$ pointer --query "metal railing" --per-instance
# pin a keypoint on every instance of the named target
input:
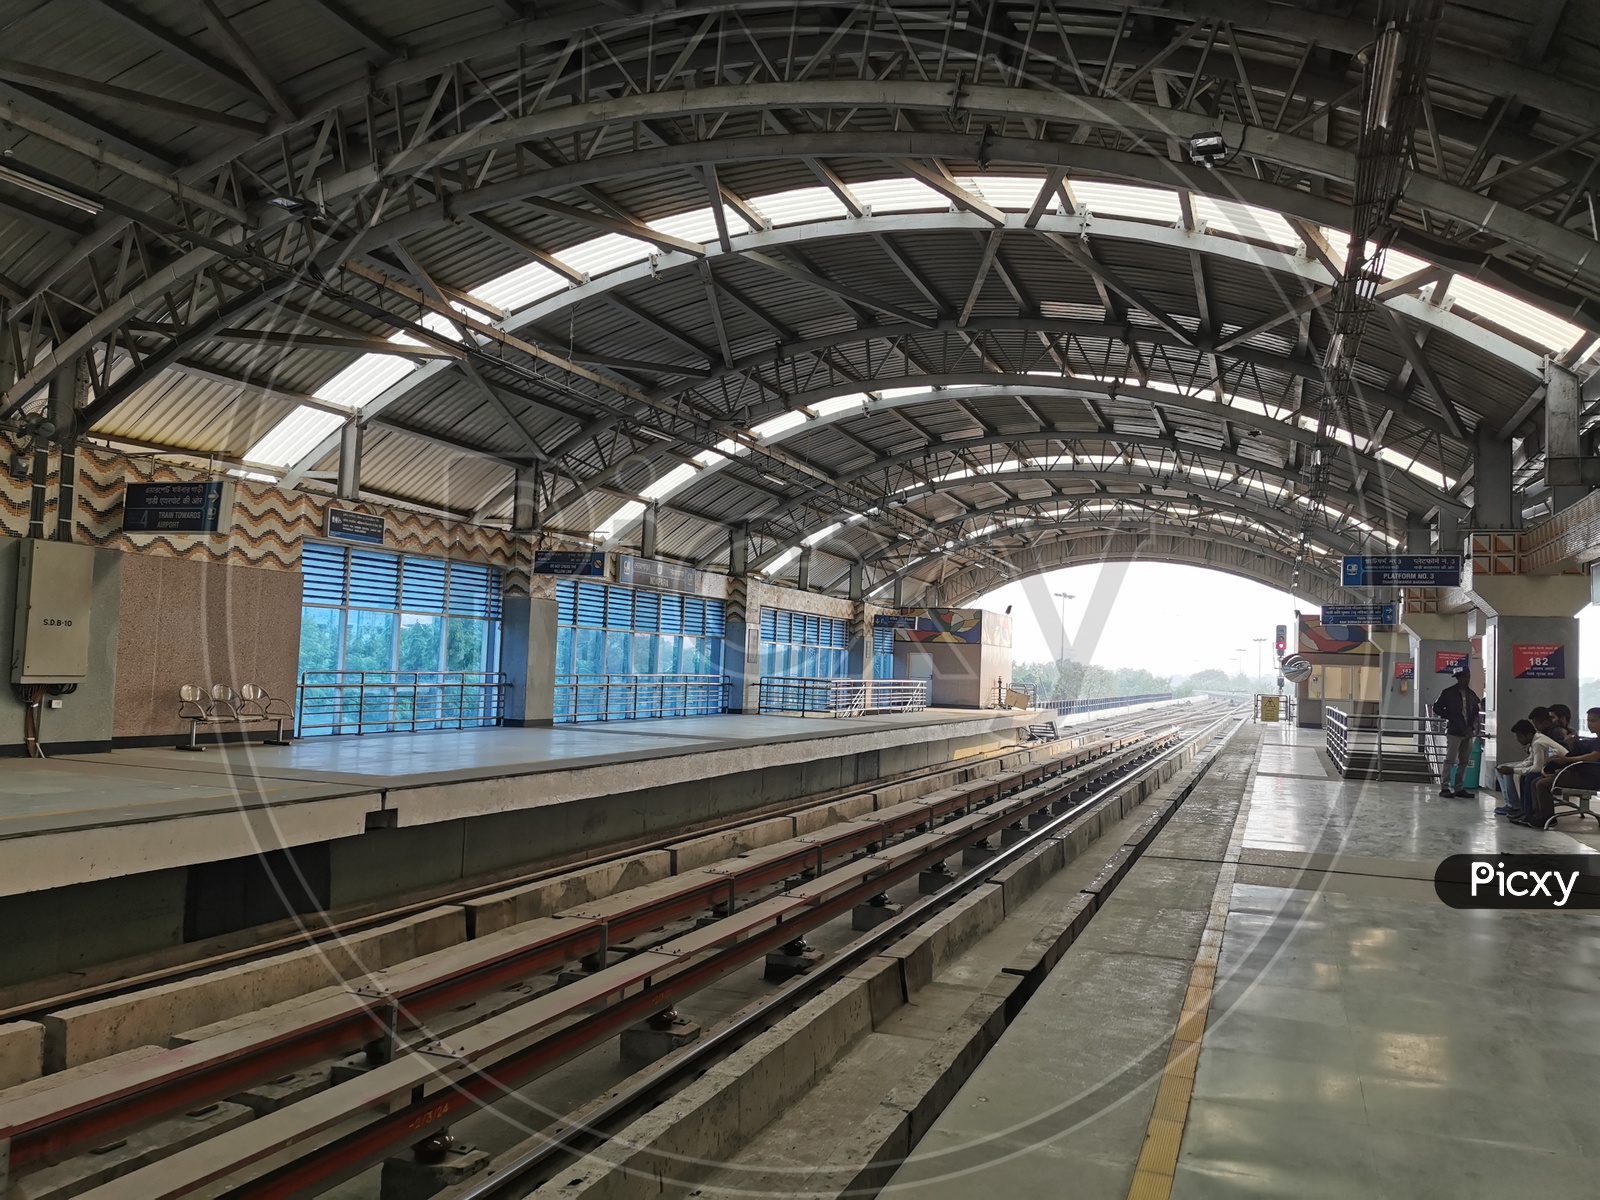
(1375, 746)
(841, 697)
(1065, 708)
(341, 702)
(1004, 698)
(638, 697)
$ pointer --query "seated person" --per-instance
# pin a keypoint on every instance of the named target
(1562, 730)
(1584, 761)
(1517, 778)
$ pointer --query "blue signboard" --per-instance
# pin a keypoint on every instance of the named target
(1359, 614)
(1402, 570)
(175, 507)
(894, 621)
(569, 562)
(350, 526)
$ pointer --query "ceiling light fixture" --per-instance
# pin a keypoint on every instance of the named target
(48, 190)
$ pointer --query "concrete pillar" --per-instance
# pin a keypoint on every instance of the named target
(69, 391)
(1496, 506)
(528, 657)
(1566, 471)
(647, 530)
(1419, 535)
(858, 658)
(525, 499)
(740, 667)
(1447, 530)
(1431, 635)
(1396, 697)
(1523, 617)
(348, 484)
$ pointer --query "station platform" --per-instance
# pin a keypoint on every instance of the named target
(79, 818)
(1275, 1003)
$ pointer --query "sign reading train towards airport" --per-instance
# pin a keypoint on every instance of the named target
(1359, 614)
(1542, 660)
(1448, 662)
(347, 525)
(1402, 570)
(176, 507)
(569, 562)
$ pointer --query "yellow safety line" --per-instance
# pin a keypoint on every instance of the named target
(1158, 1159)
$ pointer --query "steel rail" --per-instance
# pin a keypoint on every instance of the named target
(499, 1053)
(631, 1101)
(34, 1009)
(513, 1047)
(52, 1125)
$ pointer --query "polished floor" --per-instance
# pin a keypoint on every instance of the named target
(1363, 1040)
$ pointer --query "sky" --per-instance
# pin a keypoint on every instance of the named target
(1176, 620)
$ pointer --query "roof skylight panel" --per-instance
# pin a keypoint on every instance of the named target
(1124, 200)
(799, 205)
(898, 195)
(700, 225)
(1013, 192)
(605, 253)
(1244, 220)
(293, 437)
(521, 287)
(1520, 317)
(619, 520)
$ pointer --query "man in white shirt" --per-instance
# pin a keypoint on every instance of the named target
(1517, 778)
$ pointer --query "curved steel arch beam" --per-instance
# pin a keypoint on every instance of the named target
(1533, 234)
(958, 445)
(1263, 512)
(979, 386)
(1259, 560)
(1227, 555)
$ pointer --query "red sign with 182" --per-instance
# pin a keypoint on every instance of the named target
(1538, 661)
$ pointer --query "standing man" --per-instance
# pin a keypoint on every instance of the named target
(1459, 706)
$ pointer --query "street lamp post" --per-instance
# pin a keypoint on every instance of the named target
(1260, 642)
(1241, 651)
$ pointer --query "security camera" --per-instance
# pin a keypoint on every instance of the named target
(1207, 149)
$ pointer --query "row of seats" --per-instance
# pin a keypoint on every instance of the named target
(250, 705)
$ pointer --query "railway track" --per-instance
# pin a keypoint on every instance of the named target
(318, 928)
(418, 1084)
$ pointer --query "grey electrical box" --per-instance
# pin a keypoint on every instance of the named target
(50, 642)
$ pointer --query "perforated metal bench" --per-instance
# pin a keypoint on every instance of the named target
(250, 705)
(1571, 798)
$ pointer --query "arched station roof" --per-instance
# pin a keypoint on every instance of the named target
(928, 288)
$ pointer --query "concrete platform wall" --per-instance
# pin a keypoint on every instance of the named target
(59, 930)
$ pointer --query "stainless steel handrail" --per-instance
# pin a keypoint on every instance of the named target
(340, 702)
(841, 697)
(1370, 740)
(581, 698)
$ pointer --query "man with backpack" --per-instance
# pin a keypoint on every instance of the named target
(1460, 707)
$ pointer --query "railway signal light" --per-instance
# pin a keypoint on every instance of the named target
(1283, 639)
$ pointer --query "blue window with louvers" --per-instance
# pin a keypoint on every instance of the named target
(391, 630)
(626, 653)
(804, 645)
(883, 654)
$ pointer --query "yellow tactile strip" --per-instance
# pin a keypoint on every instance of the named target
(1158, 1159)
